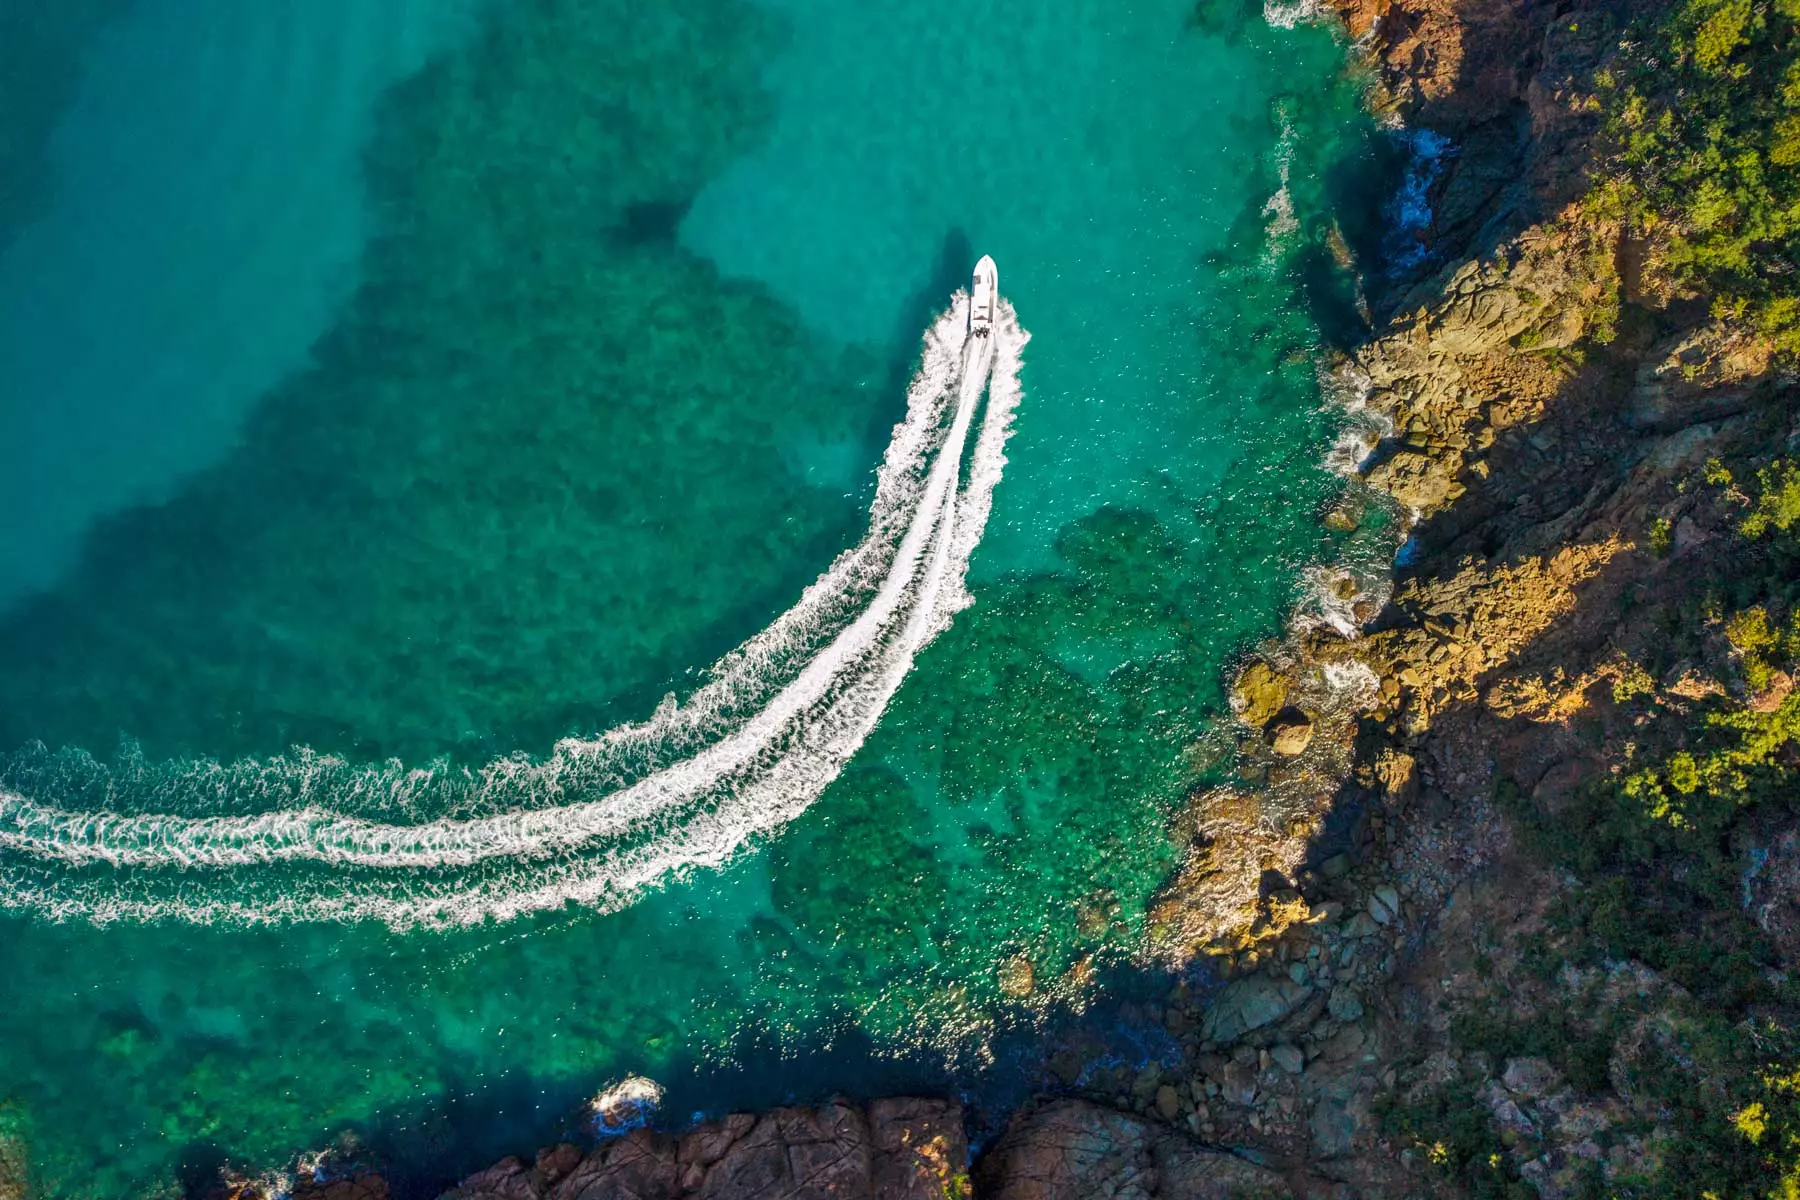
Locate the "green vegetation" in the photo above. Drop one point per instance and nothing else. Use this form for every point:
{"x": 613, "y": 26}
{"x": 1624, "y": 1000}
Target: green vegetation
{"x": 1662, "y": 537}
{"x": 1704, "y": 114}
{"x": 1704, "y": 789}
{"x": 1777, "y": 506}
{"x": 1657, "y": 864}
{"x": 1702, "y": 167}
{"x": 1450, "y": 1126}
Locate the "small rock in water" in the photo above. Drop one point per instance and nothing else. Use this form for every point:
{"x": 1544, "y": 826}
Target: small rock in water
{"x": 1259, "y": 694}
{"x": 626, "y": 1105}
{"x": 1289, "y": 1058}
{"x": 1168, "y": 1103}
{"x": 1017, "y": 977}
{"x": 1344, "y": 516}
{"x": 1291, "y": 732}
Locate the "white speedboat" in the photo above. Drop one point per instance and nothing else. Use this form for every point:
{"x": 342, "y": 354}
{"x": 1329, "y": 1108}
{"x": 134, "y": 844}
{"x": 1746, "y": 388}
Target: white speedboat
{"x": 984, "y": 298}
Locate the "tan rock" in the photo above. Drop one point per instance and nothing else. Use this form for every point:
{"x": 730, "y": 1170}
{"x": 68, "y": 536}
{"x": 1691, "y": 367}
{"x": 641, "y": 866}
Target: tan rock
{"x": 1259, "y": 693}
{"x": 1417, "y": 480}
{"x": 1399, "y": 776}
{"x": 1291, "y": 732}
{"x": 1017, "y": 977}
{"x": 1168, "y": 1103}
{"x": 1690, "y": 683}
{"x": 14, "y": 1173}
{"x": 1213, "y": 903}
{"x": 363, "y": 1185}
{"x": 1781, "y": 686}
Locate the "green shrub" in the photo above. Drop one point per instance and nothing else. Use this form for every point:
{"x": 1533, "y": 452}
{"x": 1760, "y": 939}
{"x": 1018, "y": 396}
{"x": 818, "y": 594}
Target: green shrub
{"x": 1704, "y": 124}
{"x": 1777, "y": 503}
{"x": 1662, "y": 537}
{"x": 1450, "y": 1128}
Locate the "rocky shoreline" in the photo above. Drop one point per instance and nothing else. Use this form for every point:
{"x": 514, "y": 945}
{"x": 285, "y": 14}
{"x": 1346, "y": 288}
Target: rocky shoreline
{"x": 1365, "y": 887}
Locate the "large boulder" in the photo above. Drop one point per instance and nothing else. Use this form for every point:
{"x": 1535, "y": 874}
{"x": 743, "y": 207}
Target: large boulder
{"x": 362, "y": 1185}
{"x": 1251, "y": 1003}
{"x": 1258, "y": 694}
{"x": 1073, "y": 1150}
{"x": 1290, "y": 733}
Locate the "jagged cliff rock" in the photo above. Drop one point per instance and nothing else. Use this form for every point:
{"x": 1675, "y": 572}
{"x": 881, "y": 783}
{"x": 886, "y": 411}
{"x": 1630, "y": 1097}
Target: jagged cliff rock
{"x": 1554, "y": 406}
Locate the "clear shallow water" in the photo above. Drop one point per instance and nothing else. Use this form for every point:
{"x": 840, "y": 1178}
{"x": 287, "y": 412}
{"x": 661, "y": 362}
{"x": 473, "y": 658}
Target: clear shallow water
{"x": 199, "y": 218}
{"x": 637, "y": 310}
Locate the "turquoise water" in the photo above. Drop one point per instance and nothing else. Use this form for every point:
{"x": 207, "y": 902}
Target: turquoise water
{"x": 549, "y": 358}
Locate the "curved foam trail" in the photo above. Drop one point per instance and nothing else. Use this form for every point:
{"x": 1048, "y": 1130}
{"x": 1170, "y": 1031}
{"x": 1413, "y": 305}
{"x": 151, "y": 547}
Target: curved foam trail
{"x": 898, "y": 588}
{"x": 321, "y": 836}
{"x": 740, "y": 681}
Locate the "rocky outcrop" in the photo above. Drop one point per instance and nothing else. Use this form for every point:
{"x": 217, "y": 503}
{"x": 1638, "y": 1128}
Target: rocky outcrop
{"x": 1699, "y": 374}
{"x": 1073, "y": 1150}
{"x": 1249, "y": 1004}
{"x": 899, "y": 1149}
{"x": 1290, "y": 733}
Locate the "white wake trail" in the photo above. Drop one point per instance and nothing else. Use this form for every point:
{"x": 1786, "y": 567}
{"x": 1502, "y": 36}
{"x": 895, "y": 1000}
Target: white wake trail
{"x": 774, "y": 724}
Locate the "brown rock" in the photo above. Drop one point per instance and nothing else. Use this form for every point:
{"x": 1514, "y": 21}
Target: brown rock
{"x": 14, "y": 1175}
{"x": 555, "y": 1163}
{"x": 1016, "y": 976}
{"x": 1345, "y": 516}
{"x": 1168, "y": 1103}
{"x": 792, "y": 1152}
{"x": 1399, "y": 775}
{"x": 900, "y": 1149}
{"x": 1419, "y": 481}
{"x": 921, "y": 1152}
{"x": 641, "y": 1165}
{"x": 508, "y": 1179}
{"x": 364, "y": 1185}
{"x": 1781, "y": 686}
{"x": 1291, "y": 732}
